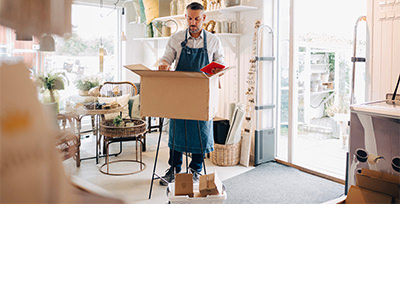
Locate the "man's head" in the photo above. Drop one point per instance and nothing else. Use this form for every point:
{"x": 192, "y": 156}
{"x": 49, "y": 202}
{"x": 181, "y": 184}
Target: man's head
{"x": 195, "y": 17}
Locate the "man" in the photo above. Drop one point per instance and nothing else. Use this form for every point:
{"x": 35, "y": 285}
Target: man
{"x": 191, "y": 50}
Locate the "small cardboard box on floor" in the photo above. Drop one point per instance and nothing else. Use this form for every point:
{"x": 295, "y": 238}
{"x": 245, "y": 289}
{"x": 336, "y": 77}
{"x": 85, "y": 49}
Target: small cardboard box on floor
{"x": 209, "y": 190}
{"x": 184, "y": 184}
{"x": 374, "y": 187}
{"x": 176, "y": 94}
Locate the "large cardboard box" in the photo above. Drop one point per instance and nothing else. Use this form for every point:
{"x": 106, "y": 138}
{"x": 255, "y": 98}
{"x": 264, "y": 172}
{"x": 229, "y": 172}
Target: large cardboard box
{"x": 358, "y": 195}
{"x": 177, "y": 95}
{"x": 379, "y": 182}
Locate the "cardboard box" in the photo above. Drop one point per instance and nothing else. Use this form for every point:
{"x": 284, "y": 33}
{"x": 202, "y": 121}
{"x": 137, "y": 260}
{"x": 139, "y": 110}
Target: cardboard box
{"x": 358, "y": 195}
{"x": 177, "y": 95}
{"x": 210, "y": 185}
{"x": 184, "y": 184}
{"x": 379, "y": 182}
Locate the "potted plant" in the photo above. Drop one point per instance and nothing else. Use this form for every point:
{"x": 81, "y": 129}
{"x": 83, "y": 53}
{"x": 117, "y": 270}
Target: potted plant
{"x": 85, "y": 84}
{"x": 118, "y": 121}
{"x": 50, "y": 84}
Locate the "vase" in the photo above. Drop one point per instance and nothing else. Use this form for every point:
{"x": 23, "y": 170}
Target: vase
{"x": 51, "y": 97}
{"x": 51, "y": 111}
{"x": 181, "y": 7}
{"x": 83, "y": 93}
{"x": 173, "y": 8}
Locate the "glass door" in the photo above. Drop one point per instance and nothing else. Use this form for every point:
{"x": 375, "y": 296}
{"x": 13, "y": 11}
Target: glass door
{"x": 316, "y": 69}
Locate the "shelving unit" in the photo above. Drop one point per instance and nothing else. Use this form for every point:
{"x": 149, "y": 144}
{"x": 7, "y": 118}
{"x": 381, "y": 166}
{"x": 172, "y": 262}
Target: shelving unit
{"x": 310, "y": 70}
{"x": 232, "y": 9}
{"x": 166, "y": 38}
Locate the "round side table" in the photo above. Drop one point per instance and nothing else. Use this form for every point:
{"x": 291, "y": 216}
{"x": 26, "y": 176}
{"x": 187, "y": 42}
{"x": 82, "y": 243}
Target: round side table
{"x": 133, "y": 129}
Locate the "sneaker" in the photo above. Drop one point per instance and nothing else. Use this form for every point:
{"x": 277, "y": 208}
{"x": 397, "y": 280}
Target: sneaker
{"x": 168, "y": 177}
{"x": 196, "y": 175}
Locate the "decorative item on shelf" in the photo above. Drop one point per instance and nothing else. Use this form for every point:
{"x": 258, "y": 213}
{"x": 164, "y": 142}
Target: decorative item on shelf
{"x": 181, "y": 7}
{"x": 233, "y": 28}
{"x": 229, "y": 3}
{"x": 209, "y": 26}
{"x": 162, "y": 28}
{"x": 157, "y": 27}
{"x": 149, "y": 30}
{"x": 132, "y": 11}
{"x": 224, "y": 27}
{"x": 151, "y": 9}
{"x": 173, "y": 7}
{"x": 218, "y": 27}
{"x": 205, "y": 4}
{"x": 214, "y": 4}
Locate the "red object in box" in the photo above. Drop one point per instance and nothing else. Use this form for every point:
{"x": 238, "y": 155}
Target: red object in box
{"x": 207, "y": 69}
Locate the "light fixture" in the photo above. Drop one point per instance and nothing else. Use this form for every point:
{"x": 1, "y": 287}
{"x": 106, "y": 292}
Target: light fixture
{"x": 101, "y": 47}
{"x": 102, "y": 53}
{"x": 123, "y": 37}
{"x": 47, "y": 43}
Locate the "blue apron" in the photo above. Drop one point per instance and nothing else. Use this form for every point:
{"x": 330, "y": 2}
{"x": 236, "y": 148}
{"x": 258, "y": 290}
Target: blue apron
{"x": 192, "y": 60}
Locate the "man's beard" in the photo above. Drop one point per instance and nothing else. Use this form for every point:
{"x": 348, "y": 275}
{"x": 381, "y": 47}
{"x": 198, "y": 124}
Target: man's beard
{"x": 194, "y": 29}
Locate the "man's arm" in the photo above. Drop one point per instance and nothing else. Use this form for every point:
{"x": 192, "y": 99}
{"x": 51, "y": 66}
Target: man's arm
{"x": 219, "y": 53}
{"x": 168, "y": 57}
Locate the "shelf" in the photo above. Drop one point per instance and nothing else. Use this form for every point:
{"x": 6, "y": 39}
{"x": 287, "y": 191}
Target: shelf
{"x": 232, "y": 9}
{"x": 166, "y": 38}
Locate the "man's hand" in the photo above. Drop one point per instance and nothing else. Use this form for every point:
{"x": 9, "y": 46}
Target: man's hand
{"x": 163, "y": 67}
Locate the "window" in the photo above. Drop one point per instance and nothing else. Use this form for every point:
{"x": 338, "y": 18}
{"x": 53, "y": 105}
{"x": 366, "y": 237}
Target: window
{"x": 77, "y": 55}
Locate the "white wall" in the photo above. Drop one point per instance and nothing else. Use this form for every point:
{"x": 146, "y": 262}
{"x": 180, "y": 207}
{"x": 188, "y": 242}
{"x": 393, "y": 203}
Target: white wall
{"x": 384, "y": 26}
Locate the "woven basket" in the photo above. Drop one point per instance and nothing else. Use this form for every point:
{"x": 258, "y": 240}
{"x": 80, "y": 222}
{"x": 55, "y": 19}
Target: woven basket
{"x": 226, "y": 155}
{"x": 109, "y": 130}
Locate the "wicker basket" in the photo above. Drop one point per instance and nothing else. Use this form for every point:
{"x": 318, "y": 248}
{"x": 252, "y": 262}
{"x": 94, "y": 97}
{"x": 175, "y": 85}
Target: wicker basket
{"x": 107, "y": 129}
{"x": 226, "y": 155}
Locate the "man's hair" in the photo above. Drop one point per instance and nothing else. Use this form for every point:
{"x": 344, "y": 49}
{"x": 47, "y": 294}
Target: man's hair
{"x": 195, "y": 6}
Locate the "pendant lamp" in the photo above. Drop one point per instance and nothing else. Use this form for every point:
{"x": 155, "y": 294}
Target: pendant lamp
{"x": 47, "y": 43}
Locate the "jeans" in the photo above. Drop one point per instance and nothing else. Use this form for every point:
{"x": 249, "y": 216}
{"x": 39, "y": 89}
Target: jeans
{"x": 175, "y": 160}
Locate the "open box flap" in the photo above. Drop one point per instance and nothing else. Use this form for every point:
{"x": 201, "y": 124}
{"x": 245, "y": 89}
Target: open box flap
{"x": 136, "y": 67}
{"x": 169, "y": 74}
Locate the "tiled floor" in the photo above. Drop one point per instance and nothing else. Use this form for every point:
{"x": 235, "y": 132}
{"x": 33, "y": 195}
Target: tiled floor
{"x": 135, "y": 188}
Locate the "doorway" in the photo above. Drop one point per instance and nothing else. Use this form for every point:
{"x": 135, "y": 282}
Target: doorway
{"x": 314, "y": 81}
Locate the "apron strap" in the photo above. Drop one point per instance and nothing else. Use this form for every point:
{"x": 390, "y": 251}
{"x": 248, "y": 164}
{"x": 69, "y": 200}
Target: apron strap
{"x": 205, "y": 40}
{"x": 183, "y": 44}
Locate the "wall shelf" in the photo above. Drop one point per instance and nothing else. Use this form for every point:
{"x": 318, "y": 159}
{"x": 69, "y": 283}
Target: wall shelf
{"x": 232, "y": 9}
{"x": 166, "y": 38}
